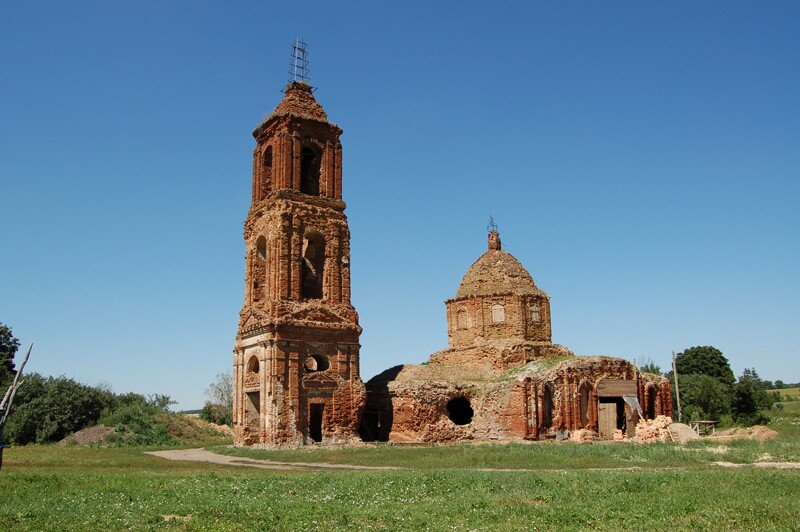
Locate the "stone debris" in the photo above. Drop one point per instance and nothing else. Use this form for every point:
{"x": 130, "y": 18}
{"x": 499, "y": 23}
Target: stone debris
{"x": 619, "y": 435}
{"x": 682, "y": 433}
{"x": 654, "y": 430}
{"x": 582, "y": 436}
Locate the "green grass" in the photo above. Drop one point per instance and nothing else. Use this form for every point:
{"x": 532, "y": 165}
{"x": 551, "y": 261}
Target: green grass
{"x": 50, "y": 487}
{"x": 793, "y": 394}
{"x": 540, "y": 456}
{"x": 46, "y": 487}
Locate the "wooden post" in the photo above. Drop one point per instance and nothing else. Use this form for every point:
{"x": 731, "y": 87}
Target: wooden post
{"x": 677, "y": 391}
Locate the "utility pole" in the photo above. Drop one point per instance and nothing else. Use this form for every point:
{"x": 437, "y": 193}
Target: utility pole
{"x": 677, "y": 390}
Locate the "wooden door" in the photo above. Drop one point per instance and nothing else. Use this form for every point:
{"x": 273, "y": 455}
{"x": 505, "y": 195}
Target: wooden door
{"x": 607, "y": 420}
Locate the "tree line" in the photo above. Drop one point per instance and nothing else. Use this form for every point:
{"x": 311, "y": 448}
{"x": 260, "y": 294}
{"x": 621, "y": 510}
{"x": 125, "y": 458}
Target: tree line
{"x": 710, "y": 391}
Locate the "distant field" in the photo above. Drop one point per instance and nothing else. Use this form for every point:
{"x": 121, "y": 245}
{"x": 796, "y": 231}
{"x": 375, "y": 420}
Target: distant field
{"x": 598, "y": 486}
{"x": 792, "y": 393}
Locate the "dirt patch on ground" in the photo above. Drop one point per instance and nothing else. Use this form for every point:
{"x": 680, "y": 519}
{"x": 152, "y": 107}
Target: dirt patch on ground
{"x": 201, "y": 455}
{"x": 88, "y": 436}
{"x": 764, "y": 465}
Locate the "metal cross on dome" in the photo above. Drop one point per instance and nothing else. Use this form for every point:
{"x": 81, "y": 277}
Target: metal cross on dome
{"x": 492, "y": 226}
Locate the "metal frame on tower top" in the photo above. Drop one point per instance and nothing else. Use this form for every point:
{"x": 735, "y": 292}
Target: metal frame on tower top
{"x": 298, "y": 67}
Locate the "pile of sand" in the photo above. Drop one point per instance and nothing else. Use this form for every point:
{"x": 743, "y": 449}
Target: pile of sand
{"x": 88, "y": 436}
{"x": 759, "y": 433}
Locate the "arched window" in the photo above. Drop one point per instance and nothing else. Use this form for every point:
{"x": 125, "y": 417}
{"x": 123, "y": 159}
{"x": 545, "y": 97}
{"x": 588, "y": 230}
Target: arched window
{"x": 547, "y": 407}
{"x": 266, "y": 173}
{"x": 535, "y": 313}
{"x": 498, "y": 313}
{"x": 261, "y": 248}
{"x": 252, "y": 364}
{"x": 309, "y": 171}
{"x": 584, "y": 403}
{"x": 258, "y": 273}
{"x": 317, "y": 363}
{"x": 313, "y": 266}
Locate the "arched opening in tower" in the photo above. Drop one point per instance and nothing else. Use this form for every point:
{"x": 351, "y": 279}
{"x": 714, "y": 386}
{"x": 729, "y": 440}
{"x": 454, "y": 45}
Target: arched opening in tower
{"x": 309, "y": 171}
{"x": 313, "y": 266}
{"x": 266, "y": 173}
{"x": 460, "y": 411}
{"x": 252, "y": 365}
{"x": 259, "y": 272}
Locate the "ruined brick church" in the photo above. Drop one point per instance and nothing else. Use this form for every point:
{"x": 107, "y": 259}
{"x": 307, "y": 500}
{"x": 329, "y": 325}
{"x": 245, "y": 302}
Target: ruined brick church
{"x": 296, "y": 356}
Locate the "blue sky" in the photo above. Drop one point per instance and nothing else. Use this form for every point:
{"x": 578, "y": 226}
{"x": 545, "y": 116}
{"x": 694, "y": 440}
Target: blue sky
{"x": 640, "y": 159}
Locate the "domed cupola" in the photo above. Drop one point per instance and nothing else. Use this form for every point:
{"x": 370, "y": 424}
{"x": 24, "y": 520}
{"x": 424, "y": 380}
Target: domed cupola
{"x": 496, "y": 272}
{"x": 497, "y": 300}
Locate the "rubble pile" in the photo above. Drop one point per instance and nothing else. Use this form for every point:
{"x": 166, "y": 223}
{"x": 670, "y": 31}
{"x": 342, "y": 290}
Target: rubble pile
{"x": 582, "y": 436}
{"x": 653, "y": 430}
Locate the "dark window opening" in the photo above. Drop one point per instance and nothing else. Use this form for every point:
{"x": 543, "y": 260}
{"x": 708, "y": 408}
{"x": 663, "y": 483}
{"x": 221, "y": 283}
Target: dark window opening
{"x": 266, "y": 173}
{"x": 315, "y": 412}
{"x": 252, "y": 365}
{"x": 313, "y": 266}
{"x": 652, "y": 394}
{"x": 547, "y": 407}
{"x": 309, "y": 171}
{"x": 317, "y": 363}
{"x": 460, "y": 411}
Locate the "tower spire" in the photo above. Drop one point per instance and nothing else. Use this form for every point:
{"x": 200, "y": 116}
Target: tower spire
{"x": 298, "y": 66}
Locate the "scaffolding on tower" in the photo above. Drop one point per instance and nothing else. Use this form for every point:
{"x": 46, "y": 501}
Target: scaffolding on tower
{"x": 298, "y": 66}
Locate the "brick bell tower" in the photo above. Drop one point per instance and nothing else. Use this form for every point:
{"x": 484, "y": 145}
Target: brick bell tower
{"x": 296, "y": 358}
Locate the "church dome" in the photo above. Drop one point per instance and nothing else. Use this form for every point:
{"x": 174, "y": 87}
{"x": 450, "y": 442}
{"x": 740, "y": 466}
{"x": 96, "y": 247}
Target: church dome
{"x": 496, "y": 272}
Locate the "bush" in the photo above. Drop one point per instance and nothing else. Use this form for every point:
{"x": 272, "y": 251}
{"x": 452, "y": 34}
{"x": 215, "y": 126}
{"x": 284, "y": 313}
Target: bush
{"x": 49, "y": 409}
{"x": 139, "y": 421}
{"x": 218, "y": 414}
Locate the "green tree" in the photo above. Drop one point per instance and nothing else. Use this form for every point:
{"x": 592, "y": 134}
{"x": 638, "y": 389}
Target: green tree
{"x": 650, "y": 367}
{"x": 8, "y": 348}
{"x": 704, "y": 360}
{"x": 703, "y": 397}
{"x": 750, "y": 398}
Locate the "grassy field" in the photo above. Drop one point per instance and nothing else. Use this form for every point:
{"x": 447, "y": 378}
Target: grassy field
{"x": 793, "y": 394}
{"x": 50, "y": 487}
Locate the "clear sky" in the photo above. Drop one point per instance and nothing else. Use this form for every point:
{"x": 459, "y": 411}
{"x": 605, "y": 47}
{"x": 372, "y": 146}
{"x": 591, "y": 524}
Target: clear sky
{"x": 641, "y": 160}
